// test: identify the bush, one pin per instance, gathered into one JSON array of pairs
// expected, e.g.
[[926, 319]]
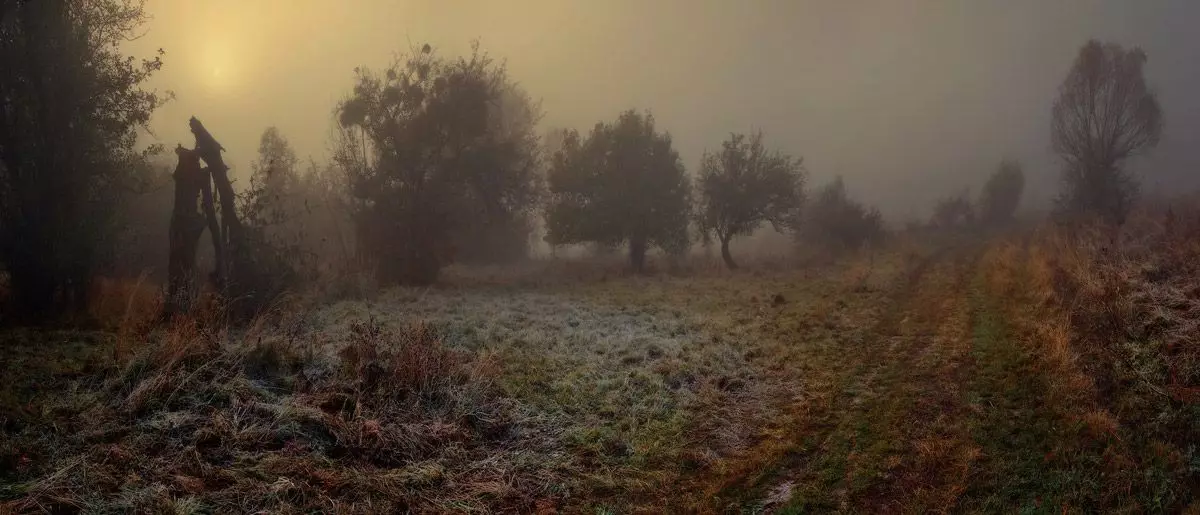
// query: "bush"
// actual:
[[1001, 195], [953, 212], [839, 223]]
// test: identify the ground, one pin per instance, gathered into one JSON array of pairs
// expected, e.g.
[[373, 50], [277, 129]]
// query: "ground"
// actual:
[[884, 382]]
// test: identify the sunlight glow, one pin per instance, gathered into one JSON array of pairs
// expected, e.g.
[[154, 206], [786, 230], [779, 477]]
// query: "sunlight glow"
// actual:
[[221, 64]]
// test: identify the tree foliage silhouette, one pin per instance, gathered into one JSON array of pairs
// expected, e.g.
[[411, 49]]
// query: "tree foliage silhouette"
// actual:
[[1001, 194], [624, 183], [72, 104], [839, 222], [743, 186], [431, 151], [1105, 113]]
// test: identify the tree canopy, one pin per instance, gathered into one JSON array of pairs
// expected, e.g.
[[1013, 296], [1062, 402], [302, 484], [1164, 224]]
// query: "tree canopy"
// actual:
[[744, 186], [839, 222], [624, 183], [954, 211], [72, 107], [1001, 194], [1104, 114], [433, 147]]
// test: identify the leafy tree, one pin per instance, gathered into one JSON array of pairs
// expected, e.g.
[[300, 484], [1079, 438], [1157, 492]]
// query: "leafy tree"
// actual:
[[430, 152], [624, 183], [1001, 194], [71, 106], [504, 239], [744, 186], [840, 223], [1104, 114]]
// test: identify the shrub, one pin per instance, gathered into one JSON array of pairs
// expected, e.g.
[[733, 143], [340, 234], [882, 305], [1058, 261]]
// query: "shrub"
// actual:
[[840, 223]]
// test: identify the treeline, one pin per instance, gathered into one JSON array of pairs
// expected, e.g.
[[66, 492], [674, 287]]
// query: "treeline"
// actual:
[[438, 160]]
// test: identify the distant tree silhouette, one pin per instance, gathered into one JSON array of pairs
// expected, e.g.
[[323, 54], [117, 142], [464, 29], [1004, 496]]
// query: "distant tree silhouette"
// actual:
[[430, 152], [624, 183], [743, 186], [273, 256], [953, 212], [1104, 114], [839, 222], [1001, 195], [269, 203], [71, 107]]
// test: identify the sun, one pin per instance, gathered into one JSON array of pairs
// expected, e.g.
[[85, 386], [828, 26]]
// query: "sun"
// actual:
[[218, 66]]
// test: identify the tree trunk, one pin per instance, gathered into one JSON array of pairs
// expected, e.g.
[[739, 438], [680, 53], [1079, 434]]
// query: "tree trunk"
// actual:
[[185, 230], [725, 255], [231, 228], [637, 253], [210, 215]]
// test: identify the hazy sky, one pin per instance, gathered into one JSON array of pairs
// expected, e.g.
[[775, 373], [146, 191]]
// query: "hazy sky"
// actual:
[[910, 100]]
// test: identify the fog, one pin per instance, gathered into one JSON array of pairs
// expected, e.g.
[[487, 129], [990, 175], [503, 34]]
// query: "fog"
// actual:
[[909, 101]]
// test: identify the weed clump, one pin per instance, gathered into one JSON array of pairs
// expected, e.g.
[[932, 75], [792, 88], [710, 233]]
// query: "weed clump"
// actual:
[[196, 423]]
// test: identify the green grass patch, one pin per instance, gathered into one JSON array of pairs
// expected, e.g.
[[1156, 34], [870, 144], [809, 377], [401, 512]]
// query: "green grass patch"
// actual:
[[1030, 461]]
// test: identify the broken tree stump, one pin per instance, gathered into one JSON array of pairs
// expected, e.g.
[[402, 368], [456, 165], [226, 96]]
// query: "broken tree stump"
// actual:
[[185, 229], [210, 152]]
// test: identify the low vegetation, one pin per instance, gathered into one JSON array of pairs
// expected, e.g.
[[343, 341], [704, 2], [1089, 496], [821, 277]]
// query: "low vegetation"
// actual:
[[1111, 317]]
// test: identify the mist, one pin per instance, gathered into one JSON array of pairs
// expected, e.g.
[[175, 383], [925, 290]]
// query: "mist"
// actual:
[[677, 256], [909, 101]]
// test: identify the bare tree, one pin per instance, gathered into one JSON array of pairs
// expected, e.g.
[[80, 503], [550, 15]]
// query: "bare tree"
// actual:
[[1104, 114]]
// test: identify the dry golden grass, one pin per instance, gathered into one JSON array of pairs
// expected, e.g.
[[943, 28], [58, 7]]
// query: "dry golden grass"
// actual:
[[1109, 317], [114, 303]]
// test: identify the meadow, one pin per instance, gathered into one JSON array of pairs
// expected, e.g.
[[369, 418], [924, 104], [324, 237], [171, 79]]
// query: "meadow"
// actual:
[[1037, 371]]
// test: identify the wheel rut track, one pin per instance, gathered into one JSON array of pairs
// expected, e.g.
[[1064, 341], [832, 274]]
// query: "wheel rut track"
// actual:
[[894, 349]]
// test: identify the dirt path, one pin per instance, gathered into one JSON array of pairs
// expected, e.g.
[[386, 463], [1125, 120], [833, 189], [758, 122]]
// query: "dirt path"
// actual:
[[893, 435]]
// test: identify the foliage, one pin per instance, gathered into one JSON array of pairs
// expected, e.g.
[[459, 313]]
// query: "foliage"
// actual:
[[272, 252], [624, 183], [1104, 114], [141, 224], [431, 150], [72, 105], [839, 222], [505, 239], [955, 211], [1001, 194], [744, 186]]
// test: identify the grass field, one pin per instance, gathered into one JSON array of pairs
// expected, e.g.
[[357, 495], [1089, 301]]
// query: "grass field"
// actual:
[[917, 379]]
